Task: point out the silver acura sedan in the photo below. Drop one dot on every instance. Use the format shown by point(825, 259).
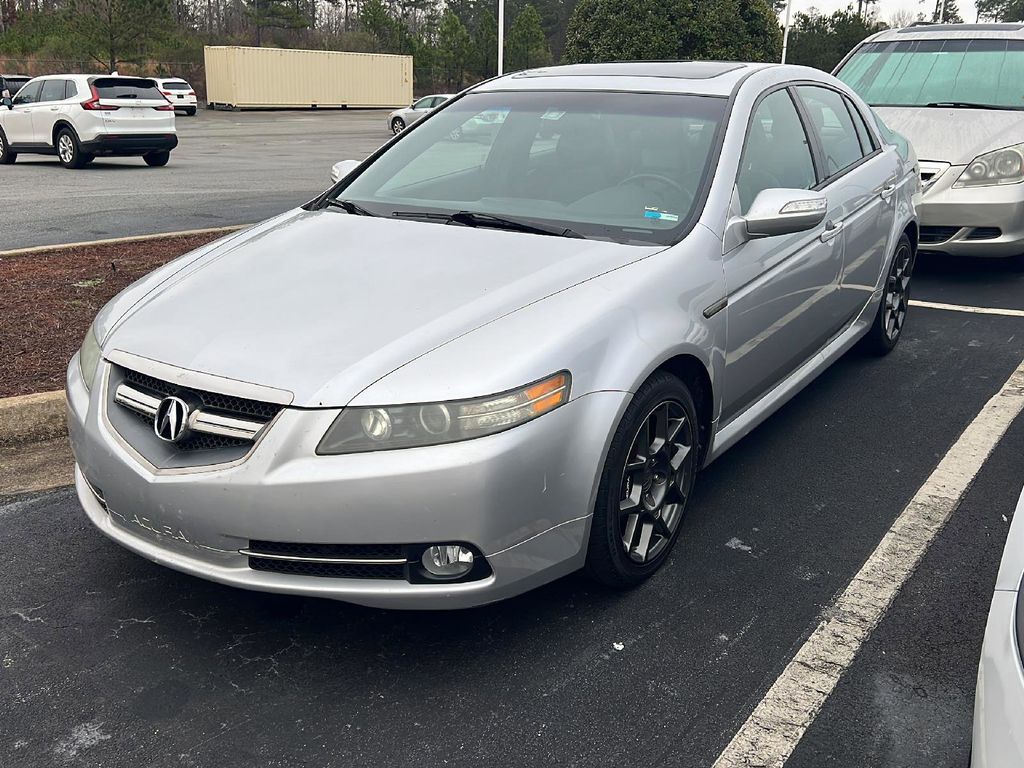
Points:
point(400, 119)
point(469, 368)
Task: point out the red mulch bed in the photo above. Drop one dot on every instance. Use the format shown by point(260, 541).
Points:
point(47, 301)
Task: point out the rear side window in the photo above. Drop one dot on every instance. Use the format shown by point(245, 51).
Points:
point(70, 89)
point(867, 144)
point(53, 90)
point(126, 88)
point(832, 121)
point(29, 94)
point(177, 85)
point(777, 153)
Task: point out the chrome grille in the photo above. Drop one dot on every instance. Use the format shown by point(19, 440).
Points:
point(218, 420)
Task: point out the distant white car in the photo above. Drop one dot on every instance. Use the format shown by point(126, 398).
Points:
point(999, 697)
point(179, 93)
point(401, 119)
point(78, 117)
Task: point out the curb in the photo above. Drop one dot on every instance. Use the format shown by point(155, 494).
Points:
point(31, 418)
point(128, 239)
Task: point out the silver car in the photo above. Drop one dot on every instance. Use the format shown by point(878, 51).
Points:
point(999, 697)
point(401, 119)
point(470, 368)
point(957, 93)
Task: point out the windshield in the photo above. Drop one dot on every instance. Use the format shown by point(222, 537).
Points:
point(917, 73)
point(627, 167)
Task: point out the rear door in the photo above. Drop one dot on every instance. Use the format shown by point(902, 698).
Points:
point(860, 179)
point(133, 105)
point(17, 121)
point(51, 106)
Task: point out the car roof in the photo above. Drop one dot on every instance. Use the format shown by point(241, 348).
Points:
point(712, 78)
point(951, 31)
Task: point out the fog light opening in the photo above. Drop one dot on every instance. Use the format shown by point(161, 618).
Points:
point(447, 561)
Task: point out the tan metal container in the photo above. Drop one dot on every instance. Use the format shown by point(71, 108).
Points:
point(242, 77)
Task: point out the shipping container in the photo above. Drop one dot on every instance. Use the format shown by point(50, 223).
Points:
point(240, 77)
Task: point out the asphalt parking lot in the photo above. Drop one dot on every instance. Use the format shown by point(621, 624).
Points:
point(107, 659)
point(228, 168)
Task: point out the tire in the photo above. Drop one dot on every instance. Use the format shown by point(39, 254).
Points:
point(397, 125)
point(7, 155)
point(633, 479)
point(190, 111)
point(157, 159)
point(69, 150)
point(887, 328)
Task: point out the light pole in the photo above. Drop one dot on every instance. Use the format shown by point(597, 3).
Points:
point(785, 31)
point(501, 36)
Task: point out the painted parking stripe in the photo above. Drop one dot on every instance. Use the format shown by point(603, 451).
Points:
point(779, 721)
point(973, 310)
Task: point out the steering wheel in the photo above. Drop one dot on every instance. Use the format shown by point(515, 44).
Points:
point(654, 177)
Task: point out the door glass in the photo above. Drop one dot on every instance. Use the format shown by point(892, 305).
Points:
point(70, 90)
point(423, 103)
point(29, 94)
point(834, 126)
point(776, 154)
point(867, 144)
point(53, 90)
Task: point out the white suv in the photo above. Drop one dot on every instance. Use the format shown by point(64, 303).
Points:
point(179, 93)
point(78, 117)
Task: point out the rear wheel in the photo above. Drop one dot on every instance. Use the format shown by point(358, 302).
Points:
point(397, 125)
point(7, 155)
point(892, 312)
point(190, 111)
point(645, 485)
point(69, 150)
point(157, 159)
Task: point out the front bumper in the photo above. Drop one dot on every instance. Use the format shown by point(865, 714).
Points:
point(130, 143)
point(999, 697)
point(522, 498)
point(961, 221)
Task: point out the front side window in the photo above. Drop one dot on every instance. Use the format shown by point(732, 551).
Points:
point(628, 167)
point(919, 73)
point(777, 153)
point(29, 94)
point(53, 90)
point(832, 121)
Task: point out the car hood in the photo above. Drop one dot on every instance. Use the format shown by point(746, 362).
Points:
point(322, 304)
point(954, 136)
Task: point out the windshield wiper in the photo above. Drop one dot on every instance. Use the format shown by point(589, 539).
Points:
point(474, 219)
point(348, 206)
point(964, 105)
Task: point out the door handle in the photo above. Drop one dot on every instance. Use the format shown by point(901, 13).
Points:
point(832, 228)
point(55, 109)
point(887, 190)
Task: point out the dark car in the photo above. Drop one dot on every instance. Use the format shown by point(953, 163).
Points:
point(12, 83)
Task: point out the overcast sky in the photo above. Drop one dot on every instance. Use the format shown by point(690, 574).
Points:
point(886, 7)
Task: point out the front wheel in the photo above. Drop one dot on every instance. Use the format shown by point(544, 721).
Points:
point(645, 485)
point(157, 159)
point(7, 155)
point(887, 327)
point(397, 125)
point(69, 151)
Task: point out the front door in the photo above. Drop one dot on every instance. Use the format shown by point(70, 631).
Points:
point(18, 121)
point(781, 290)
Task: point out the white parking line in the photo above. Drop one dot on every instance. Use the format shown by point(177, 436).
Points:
point(779, 721)
point(963, 308)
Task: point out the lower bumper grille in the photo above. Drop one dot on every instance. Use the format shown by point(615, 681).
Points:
point(937, 234)
point(332, 570)
point(985, 233)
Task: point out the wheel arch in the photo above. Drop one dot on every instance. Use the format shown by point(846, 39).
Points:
point(691, 371)
point(57, 127)
point(912, 231)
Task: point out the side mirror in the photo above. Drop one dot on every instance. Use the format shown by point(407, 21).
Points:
point(8, 102)
point(340, 170)
point(784, 212)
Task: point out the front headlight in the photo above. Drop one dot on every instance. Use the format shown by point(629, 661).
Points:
point(1004, 166)
point(89, 357)
point(383, 428)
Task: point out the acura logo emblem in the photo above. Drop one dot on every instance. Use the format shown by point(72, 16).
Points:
point(171, 420)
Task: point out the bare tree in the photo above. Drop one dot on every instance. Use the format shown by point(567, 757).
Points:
point(902, 17)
